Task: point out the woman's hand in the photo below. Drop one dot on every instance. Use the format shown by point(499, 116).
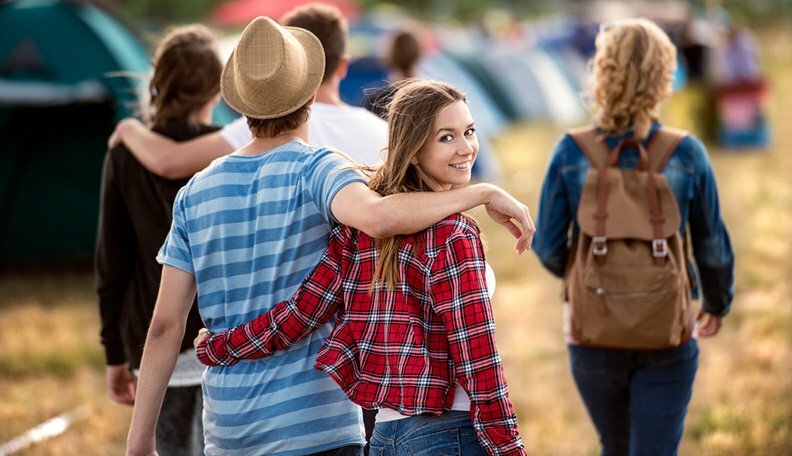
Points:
point(203, 334)
point(708, 324)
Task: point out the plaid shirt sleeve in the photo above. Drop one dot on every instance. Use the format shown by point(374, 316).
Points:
point(316, 301)
point(461, 299)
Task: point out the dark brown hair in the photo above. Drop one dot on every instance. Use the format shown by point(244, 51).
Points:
point(268, 128)
point(411, 117)
point(329, 25)
point(404, 52)
point(186, 75)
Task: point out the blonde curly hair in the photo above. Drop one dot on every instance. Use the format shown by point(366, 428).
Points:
point(631, 76)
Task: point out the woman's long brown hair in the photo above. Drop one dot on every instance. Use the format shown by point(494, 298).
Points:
point(186, 75)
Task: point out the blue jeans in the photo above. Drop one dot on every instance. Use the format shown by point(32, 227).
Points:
point(450, 434)
point(636, 399)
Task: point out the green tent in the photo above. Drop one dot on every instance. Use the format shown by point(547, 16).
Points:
point(64, 83)
point(59, 101)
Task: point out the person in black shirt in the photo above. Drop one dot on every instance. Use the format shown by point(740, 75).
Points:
point(135, 216)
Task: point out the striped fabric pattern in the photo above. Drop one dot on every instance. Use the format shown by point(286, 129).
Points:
point(251, 228)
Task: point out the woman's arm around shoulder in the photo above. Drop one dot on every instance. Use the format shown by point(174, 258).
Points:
point(319, 298)
point(166, 157)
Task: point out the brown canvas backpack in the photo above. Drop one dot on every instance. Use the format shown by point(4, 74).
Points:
point(627, 282)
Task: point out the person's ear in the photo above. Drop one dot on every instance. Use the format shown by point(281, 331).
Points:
point(343, 68)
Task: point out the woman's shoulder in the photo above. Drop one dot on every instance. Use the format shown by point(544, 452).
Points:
point(346, 233)
point(567, 148)
point(350, 239)
point(184, 131)
point(453, 226)
point(122, 160)
point(689, 151)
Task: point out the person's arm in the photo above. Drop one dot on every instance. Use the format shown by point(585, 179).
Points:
point(115, 246)
point(176, 295)
point(404, 213)
point(712, 248)
point(460, 291)
point(166, 157)
point(316, 301)
point(554, 216)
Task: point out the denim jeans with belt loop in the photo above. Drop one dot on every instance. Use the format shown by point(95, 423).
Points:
point(450, 434)
point(636, 399)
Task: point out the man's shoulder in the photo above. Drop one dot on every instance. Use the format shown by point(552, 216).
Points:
point(369, 118)
point(327, 113)
point(353, 130)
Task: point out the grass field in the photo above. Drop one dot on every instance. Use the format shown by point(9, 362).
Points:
point(51, 361)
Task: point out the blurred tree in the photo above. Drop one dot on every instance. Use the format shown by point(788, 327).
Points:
point(474, 10)
point(160, 12)
point(157, 13)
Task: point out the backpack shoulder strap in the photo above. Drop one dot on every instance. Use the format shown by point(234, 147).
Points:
point(663, 143)
point(592, 144)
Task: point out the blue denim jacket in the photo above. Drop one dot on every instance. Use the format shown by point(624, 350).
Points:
point(689, 175)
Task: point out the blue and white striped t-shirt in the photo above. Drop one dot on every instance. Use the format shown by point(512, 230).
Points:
point(251, 228)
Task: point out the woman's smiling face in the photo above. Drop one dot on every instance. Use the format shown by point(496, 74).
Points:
point(447, 157)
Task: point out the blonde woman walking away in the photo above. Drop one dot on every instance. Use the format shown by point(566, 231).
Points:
point(636, 397)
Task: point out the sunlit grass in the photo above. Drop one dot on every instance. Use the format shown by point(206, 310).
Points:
point(51, 363)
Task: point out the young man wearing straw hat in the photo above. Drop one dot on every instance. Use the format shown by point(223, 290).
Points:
point(247, 230)
point(330, 124)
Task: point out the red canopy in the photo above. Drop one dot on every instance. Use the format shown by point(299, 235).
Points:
point(237, 12)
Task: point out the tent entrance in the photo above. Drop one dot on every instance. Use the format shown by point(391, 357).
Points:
point(50, 167)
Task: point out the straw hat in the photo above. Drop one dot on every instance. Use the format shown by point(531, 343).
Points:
point(273, 71)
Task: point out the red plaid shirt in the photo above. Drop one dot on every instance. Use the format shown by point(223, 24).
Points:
point(403, 349)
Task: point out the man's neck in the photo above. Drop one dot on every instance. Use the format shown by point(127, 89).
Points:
point(328, 93)
point(265, 144)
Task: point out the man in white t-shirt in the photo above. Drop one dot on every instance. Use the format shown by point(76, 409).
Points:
point(333, 123)
point(352, 130)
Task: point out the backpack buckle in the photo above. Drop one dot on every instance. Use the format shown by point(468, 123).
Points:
point(659, 248)
point(599, 246)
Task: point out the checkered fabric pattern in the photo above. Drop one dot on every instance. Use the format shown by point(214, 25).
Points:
point(403, 349)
